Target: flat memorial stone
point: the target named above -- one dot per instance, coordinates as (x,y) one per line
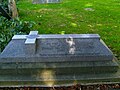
(69,47)
(45,1)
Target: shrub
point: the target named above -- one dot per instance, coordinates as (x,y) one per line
(8,28)
(4,5)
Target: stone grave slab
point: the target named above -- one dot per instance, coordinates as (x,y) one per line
(61,59)
(45,1)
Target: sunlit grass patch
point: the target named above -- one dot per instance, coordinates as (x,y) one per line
(76,17)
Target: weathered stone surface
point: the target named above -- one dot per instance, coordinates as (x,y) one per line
(64,68)
(55,48)
(47,80)
(45,1)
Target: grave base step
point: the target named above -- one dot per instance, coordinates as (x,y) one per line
(59,68)
(61,71)
(31,80)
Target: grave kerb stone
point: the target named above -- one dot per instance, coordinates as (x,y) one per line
(87,36)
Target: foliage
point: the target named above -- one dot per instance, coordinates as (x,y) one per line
(4,4)
(21,27)
(5,34)
(9,28)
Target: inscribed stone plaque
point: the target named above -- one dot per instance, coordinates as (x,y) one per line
(84,47)
(53,46)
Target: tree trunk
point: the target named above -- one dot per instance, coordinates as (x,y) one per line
(12,8)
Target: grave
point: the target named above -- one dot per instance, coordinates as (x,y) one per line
(55,59)
(45,1)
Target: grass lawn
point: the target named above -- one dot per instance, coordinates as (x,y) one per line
(76,17)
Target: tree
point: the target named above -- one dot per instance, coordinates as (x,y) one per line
(12,8)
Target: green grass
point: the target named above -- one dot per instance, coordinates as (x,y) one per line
(70,16)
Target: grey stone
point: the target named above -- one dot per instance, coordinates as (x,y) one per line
(55,48)
(45,1)
(38,59)
(89,9)
(30,43)
(59,68)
